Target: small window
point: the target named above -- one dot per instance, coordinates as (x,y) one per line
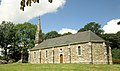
(79,50)
(46,53)
(34,54)
(53,52)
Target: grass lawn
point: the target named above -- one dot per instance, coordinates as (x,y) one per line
(58,67)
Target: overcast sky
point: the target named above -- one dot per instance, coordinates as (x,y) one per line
(65,15)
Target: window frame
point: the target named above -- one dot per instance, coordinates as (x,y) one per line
(46,53)
(79,50)
(34,54)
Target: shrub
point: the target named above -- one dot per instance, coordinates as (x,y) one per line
(1,58)
(11,61)
(3,62)
(116,53)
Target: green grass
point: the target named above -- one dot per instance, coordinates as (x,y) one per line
(58,67)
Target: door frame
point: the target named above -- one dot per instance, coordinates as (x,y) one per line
(61,59)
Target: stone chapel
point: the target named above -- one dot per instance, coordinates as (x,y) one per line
(83,48)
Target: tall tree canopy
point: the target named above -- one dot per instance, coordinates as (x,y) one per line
(17,38)
(6,36)
(52,34)
(26,33)
(93,26)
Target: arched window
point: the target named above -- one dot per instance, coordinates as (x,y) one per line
(46,54)
(79,50)
(34,54)
(53,55)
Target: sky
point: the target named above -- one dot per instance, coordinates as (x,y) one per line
(65,15)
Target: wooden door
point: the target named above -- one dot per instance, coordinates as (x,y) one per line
(61,58)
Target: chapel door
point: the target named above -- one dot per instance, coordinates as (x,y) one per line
(61,58)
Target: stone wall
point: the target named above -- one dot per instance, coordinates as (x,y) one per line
(34,57)
(95,53)
(99,53)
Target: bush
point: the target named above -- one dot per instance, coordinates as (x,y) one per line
(116,61)
(3,62)
(116,53)
(1,58)
(11,61)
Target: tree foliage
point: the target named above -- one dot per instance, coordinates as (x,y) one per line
(52,34)
(18,37)
(94,27)
(113,39)
(67,33)
(6,36)
(118,23)
(26,34)
(114,42)
(24,3)
(116,53)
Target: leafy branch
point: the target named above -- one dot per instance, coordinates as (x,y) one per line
(24,3)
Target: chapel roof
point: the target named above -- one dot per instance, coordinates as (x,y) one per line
(80,37)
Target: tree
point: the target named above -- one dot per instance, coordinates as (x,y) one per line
(114,42)
(26,34)
(94,27)
(6,36)
(118,34)
(67,33)
(113,39)
(23,3)
(52,34)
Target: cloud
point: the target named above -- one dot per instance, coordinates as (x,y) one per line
(112,26)
(66,30)
(10,10)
